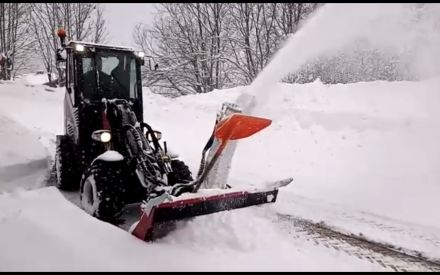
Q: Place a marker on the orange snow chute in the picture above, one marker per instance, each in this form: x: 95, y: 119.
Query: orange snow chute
x: 238, y: 126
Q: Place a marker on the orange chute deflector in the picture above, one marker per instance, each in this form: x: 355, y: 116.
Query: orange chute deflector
x: 238, y: 126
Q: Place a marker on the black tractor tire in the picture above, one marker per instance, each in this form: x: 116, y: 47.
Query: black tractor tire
x: 180, y: 174
x: 103, y: 191
x: 67, y: 177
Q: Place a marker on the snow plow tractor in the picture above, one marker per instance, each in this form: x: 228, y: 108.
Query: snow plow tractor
x: 115, y: 159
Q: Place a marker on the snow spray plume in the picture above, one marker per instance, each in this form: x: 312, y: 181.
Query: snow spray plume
x: 400, y: 28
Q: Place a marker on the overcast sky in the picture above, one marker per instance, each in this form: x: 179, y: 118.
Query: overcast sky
x: 121, y: 19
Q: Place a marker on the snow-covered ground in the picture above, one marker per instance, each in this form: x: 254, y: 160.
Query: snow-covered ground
x: 364, y: 158
x: 42, y: 231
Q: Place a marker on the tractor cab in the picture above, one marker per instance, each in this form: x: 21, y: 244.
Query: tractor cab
x: 96, y: 72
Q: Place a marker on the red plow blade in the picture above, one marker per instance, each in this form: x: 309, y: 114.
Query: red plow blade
x: 151, y: 222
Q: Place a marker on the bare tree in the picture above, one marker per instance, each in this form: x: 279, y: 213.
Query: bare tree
x: 260, y: 29
x: 186, y: 41
x: 44, y: 23
x: 77, y: 19
x: 254, y: 40
x: 201, y: 47
x: 14, y: 38
x: 100, y: 33
x: 82, y: 22
x: 289, y: 15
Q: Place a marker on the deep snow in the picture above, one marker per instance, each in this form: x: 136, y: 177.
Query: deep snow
x: 363, y: 157
x: 37, y: 237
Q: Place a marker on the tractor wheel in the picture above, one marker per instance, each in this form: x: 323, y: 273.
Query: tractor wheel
x: 102, y: 190
x: 180, y: 174
x: 65, y: 166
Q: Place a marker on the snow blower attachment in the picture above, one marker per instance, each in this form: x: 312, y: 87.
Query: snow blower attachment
x: 115, y: 159
x: 183, y: 205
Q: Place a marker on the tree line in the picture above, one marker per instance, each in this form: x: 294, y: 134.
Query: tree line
x: 192, y: 47
x: 30, y: 29
x: 200, y: 47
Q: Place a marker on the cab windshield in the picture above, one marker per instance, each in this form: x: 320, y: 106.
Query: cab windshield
x: 109, y: 74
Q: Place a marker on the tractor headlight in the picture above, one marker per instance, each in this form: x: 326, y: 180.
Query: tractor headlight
x: 106, y: 137
x: 79, y: 48
x: 103, y: 136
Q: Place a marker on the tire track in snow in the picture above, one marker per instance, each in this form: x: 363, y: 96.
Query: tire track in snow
x: 355, y: 246
x: 409, y: 238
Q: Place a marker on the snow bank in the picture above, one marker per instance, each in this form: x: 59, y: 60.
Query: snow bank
x: 35, y: 107
x: 19, y: 145
x: 30, y: 115
x: 23, y: 161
